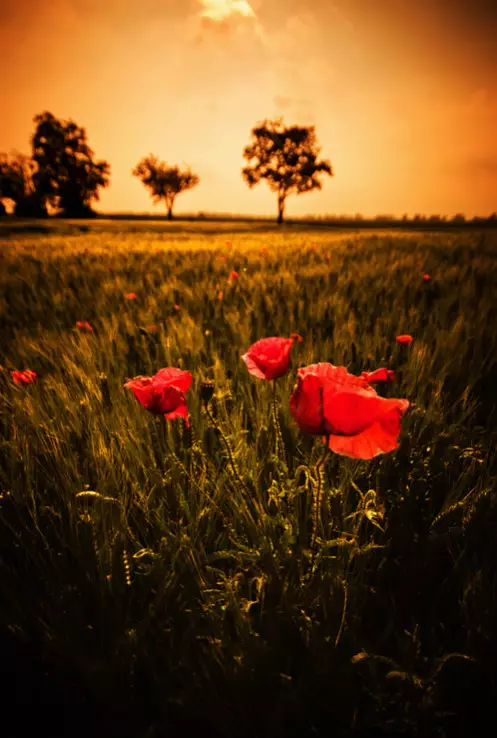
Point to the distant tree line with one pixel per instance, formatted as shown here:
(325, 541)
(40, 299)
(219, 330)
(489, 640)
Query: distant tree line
(62, 176)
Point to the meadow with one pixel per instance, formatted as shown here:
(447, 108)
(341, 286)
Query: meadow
(158, 580)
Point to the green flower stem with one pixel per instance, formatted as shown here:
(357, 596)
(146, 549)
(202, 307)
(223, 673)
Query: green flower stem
(280, 448)
(318, 495)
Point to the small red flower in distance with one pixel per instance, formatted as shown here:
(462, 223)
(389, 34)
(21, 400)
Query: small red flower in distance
(130, 296)
(234, 275)
(405, 339)
(264, 250)
(24, 377)
(379, 375)
(426, 277)
(356, 422)
(220, 295)
(152, 327)
(164, 393)
(269, 358)
(222, 258)
(176, 307)
(228, 243)
(83, 325)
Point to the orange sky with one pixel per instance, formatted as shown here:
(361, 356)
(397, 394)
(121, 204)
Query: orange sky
(403, 95)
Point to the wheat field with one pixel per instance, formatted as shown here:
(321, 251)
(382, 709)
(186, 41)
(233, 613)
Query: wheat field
(159, 580)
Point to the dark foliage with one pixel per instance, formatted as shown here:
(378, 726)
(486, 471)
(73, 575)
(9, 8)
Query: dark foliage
(67, 175)
(164, 182)
(286, 158)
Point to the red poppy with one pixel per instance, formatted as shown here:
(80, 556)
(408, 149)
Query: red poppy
(264, 250)
(356, 422)
(222, 258)
(220, 295)
(83, 325)
(164, 393)
(24, 377)
(234, 275)
(152, 327)
(228, 243)
(405, 339)
(426, 277)
(176, 307)
(379, 375)
(269, 358)
(130, 296)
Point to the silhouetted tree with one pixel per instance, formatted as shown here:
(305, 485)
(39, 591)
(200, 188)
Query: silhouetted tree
(286, 158)
(67, 175)
(17, 173)
(164, 182)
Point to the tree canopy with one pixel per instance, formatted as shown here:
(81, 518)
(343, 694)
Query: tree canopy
(286, 158)
(67, 174)
(164, 182)
(17, 173)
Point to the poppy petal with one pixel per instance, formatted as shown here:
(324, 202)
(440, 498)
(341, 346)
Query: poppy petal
(172, 376)
(252, 367)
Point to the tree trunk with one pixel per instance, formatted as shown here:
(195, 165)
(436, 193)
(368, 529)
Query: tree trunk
(281, 208)
(170, 213)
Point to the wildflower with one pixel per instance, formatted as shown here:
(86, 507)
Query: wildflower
(426, 277)
(152, 327)
(130, 296)
(228, 243)
(27, 376)
(220, 295)
(264, 250)
(379, 375)
(405, 339)
(234, 275)
(176, 307)
(164, 393)
(269, 358)
(354, 419)
(83, 325)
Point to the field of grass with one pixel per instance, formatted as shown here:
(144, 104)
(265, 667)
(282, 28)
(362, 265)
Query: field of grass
(158, 581)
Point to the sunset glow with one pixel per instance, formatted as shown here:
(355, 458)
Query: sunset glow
(403, 95)
(218, 10)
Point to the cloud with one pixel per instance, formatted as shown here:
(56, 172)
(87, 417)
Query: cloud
(220, 10)
(282, 102)
(480, 166)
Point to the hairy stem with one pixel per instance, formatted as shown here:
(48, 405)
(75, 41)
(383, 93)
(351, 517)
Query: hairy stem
(318, 494)
(280, 446)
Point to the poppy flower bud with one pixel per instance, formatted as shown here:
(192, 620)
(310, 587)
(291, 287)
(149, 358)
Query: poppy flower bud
(104, 388)
(206, 391)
